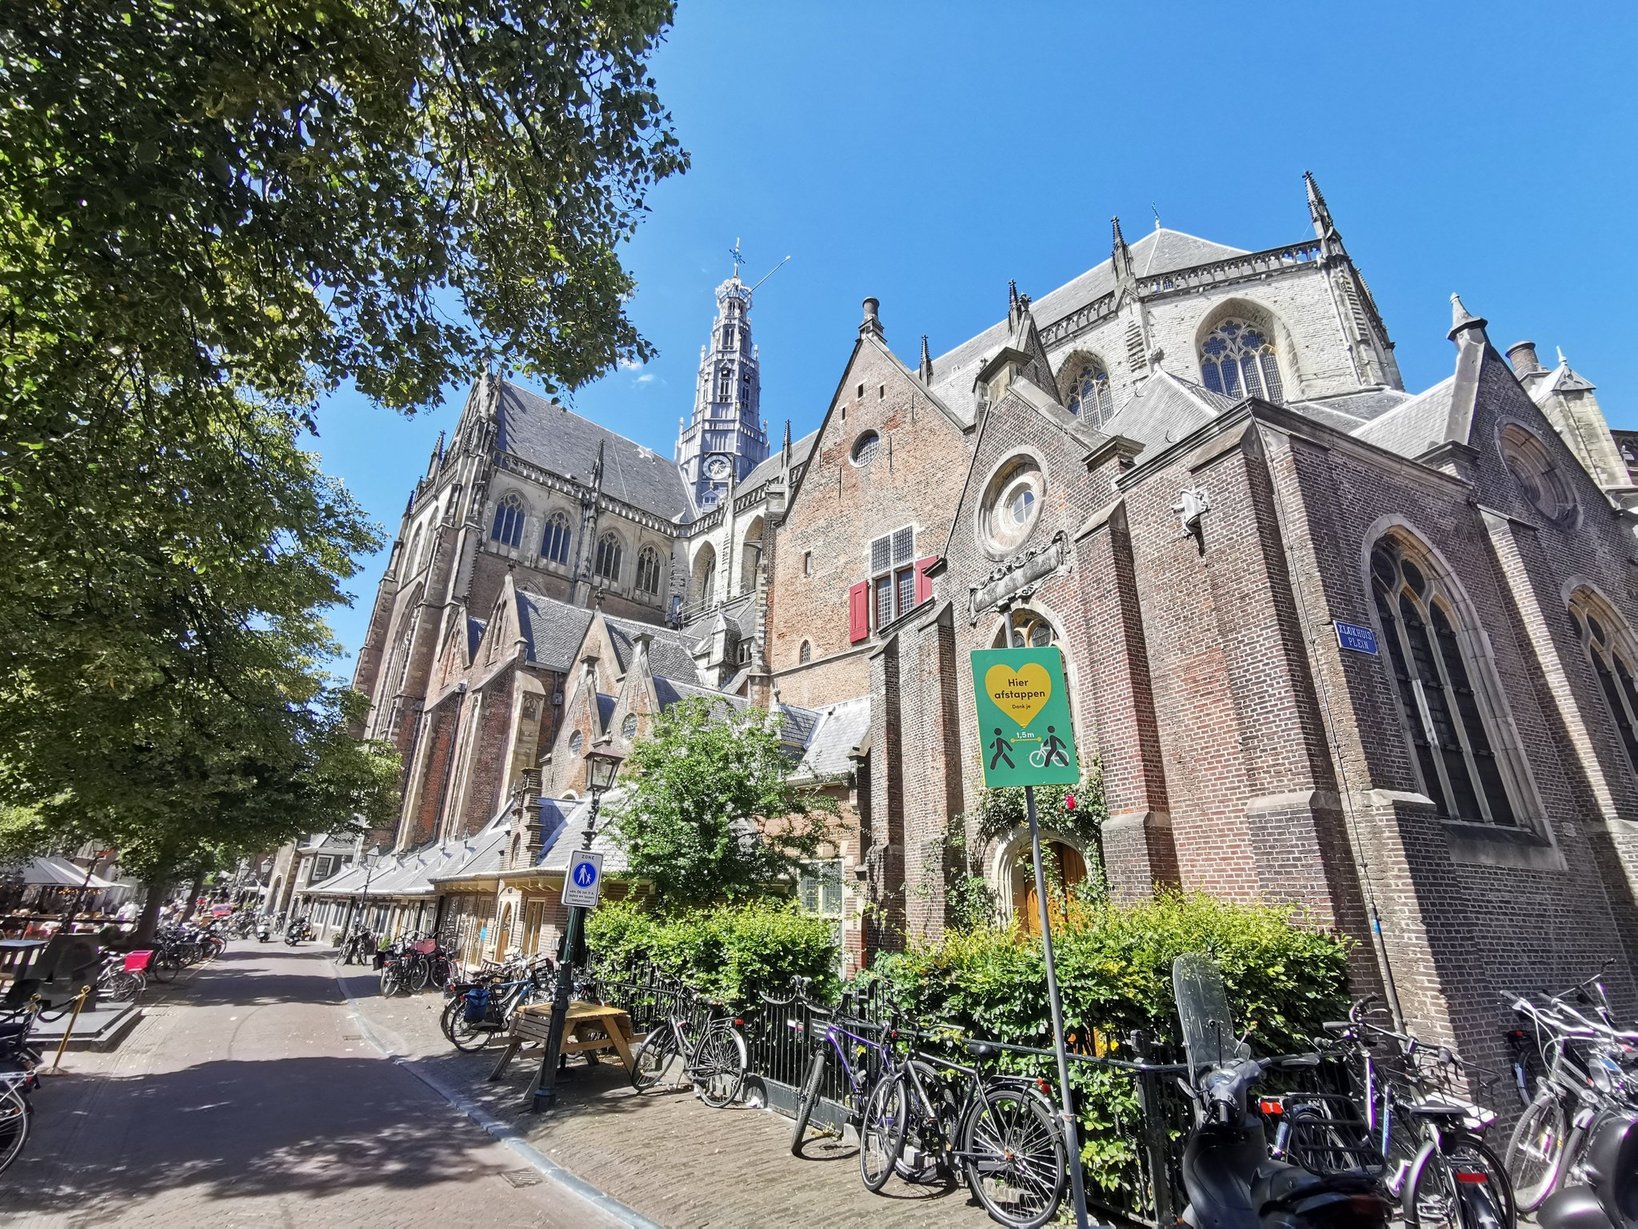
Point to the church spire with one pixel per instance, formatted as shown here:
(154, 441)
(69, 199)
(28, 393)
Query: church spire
(1120, 255)
(1324, 227)
(725, 437)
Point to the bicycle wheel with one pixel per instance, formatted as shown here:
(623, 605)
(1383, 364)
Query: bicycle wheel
(809, 1097)
(881, 1134)
(719, 1065)
(392, 979)
(653, 1058)
(1461, 1184)
(467, 1036)
(121, 987)
(16, 1115)
(1535, 1151)
(165, 966)
(1013, 1156)
(417, 974)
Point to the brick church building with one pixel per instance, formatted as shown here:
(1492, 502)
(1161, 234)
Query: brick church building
(1331, 640)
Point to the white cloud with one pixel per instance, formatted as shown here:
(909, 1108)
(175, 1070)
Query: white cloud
(629, 364)
(647, 379)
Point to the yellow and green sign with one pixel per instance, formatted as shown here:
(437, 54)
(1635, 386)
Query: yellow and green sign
(1024, 727)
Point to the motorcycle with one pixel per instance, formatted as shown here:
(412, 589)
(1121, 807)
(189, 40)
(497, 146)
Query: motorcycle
(1231, 1181)
(297, 931)
(264, 930)
(1608, 1196)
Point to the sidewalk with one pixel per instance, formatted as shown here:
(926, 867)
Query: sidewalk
(664, 1154)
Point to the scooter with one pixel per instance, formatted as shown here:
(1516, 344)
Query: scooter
(264, 930)
(1608, 1196)
(297, 931)
(1231, 1181)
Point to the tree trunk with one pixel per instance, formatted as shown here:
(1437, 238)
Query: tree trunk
(194, 890)
(148, 919)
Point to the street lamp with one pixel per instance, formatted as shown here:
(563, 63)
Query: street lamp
(600, 770)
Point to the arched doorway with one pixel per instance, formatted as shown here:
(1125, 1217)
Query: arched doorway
(503, 933)
(1065, 867)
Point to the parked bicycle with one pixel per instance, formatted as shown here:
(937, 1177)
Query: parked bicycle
(18, 1060)
(998, 1133)
(858, 1051)
(699, 1042)
(483, 1006)
(1403, 1116)
(358, 946)
(1590, 1076)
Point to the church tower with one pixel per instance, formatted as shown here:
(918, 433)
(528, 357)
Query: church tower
(726, 438)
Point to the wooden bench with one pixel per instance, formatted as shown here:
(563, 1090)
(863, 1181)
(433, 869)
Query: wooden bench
(590, 1029)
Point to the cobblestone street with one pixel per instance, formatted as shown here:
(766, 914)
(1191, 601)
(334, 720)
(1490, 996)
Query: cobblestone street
(257, 1092)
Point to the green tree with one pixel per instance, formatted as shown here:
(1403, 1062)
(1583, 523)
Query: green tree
(709, 812)
(210, 216)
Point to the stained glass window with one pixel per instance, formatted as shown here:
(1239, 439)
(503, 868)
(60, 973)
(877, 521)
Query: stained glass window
(508, 526)
(1238, 360)
(1090, 396)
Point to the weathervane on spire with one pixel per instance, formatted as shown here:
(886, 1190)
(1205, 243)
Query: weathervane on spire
(739, 257)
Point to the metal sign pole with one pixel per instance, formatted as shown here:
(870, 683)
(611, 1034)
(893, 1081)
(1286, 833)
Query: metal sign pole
(546, 1084)
(1072, 1141)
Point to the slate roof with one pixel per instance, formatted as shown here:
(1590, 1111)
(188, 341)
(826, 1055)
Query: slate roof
(740, 614)
(1160, 251)
(474, 634)
(552, 630)
(669, 691)
(560, 440)
(671, 654)
(837, 731)
(1415, 425)
(769, 469)
(1164, 409)
(1366, 405)
(560, 841)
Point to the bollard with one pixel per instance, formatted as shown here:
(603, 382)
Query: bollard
(79, 1002)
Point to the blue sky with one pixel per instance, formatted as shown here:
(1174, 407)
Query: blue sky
(927, 153)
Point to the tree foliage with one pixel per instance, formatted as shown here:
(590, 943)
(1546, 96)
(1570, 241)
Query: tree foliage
(709, 812)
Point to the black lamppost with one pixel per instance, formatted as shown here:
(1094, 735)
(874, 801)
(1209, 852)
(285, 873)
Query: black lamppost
(600, 770)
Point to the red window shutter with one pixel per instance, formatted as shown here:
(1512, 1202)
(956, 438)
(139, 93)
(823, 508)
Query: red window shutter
(924, 582)
(858, 612)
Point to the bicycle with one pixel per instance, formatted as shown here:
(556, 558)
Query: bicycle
(1001, 1135)
(713, 1055)
(484, 1007)
(118, 981)
(1440, 1170)
(1591, 1073)
(858, 1076)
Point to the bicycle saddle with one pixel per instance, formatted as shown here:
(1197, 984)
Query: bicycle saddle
(1436, 1109)
(983, 1049)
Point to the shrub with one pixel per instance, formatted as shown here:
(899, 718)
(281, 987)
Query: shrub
(731, 953)
(1114, 972)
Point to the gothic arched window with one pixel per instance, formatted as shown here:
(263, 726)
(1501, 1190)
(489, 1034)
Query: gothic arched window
(725, 383)
(1609, 647)
(1438, 702)
(648, 571)
(1024, 629)
(607, 563)
(1090, 396)
(554, 543)
(1237, 360)
(508, 526)
(805, 654)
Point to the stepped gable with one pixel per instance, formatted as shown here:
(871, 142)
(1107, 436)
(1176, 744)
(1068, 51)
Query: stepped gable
(559, 440)
(552, 630)
(1160, 251)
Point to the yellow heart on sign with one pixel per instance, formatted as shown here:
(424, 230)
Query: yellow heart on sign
(1020, 692)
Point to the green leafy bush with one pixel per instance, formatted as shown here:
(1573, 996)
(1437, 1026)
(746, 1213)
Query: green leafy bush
(732, 953)
(1114, 972)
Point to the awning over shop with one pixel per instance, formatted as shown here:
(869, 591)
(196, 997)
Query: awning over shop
(60, 873)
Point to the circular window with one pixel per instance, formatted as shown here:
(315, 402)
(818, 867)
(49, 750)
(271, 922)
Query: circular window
(865, 448)
(575, 743)
(1532, 466)
(1011, 504)
(628, 728)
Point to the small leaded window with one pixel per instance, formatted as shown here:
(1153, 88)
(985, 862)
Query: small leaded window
(1609, 649)
(865, 449)
(628, 727)
(648, 571)
(1090, 397)
(508, 526)
(607, 564)
(554, 543)
(1238, 360)
(576, 741)
(805, 654)
(1025, 629)
(1438, 704)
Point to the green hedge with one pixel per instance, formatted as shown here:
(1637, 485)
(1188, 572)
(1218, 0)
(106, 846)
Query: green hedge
(1114, 971)
(732, 953)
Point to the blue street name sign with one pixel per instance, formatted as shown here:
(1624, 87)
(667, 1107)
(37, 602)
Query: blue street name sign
(1354, 637)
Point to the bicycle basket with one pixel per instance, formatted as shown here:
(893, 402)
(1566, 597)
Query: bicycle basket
(138, 962)
(478, 1001)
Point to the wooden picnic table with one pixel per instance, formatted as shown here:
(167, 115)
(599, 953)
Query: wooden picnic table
(589, 1028)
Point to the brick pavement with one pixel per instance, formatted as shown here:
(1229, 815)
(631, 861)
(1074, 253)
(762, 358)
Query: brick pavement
(250, 1097)
(667, 1155)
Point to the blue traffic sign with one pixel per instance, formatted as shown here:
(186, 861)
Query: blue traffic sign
(585, 875)
(1355, 638)
(584, 880)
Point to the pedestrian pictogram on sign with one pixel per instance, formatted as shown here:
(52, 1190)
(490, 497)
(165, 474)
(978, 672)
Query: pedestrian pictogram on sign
(1023, 717)
(584, 880)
